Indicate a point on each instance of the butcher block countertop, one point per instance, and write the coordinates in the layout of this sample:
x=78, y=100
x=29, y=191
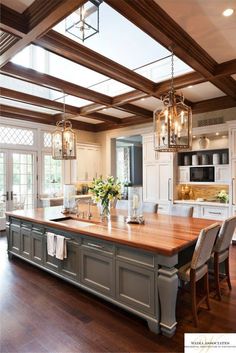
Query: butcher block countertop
x=162, y=234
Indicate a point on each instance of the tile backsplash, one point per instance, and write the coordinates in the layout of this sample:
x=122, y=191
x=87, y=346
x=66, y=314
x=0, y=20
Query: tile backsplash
x=193, y=192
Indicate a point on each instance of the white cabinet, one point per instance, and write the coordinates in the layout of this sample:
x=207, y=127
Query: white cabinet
x=88, y=163
x=222, y=174
x=233, y=143
x=183, y=174
x=150, y=184
x=164, y=181
x=149, y=155
x=233, y=182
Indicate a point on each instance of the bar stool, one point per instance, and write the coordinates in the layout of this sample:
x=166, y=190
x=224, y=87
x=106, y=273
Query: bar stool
x=182, y=211
x=193, y=271
x=221, y=252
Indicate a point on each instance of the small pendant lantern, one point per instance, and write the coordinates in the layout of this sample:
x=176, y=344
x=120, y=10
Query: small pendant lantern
x=64, y=139
x=173, y=124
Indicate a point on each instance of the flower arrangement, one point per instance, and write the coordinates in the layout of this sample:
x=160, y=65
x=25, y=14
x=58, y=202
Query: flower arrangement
x=223, y=196
x=104, y=191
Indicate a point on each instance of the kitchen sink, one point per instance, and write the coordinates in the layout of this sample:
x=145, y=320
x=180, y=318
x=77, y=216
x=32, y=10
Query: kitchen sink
x=73, y=222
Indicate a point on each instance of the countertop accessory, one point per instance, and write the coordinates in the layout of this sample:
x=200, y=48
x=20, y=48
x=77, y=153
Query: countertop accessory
x=135, y=205
x=69, y=202
x=205, y=159
x=173, y=124
x=203, y=142
x=216, y=158
x=194, y=159
x=186, y=160
x=224, y=158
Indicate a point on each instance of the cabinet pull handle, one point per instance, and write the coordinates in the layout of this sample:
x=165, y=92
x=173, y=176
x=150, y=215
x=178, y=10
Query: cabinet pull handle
x=219, y=213
x=233, y=202
x=169, y=198
x=95, y=246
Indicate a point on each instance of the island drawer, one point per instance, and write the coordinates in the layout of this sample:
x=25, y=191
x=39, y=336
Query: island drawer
x=217, y=213
x=136, y=257
x=97, y=245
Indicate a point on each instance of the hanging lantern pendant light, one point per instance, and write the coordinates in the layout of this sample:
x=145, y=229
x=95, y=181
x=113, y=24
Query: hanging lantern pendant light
x=173, y=124
x=64, y=139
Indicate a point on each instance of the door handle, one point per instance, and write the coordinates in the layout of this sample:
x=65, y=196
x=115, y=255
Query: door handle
x=6, y=195
x=233, y=202
x=169, y=198
x=12, y=195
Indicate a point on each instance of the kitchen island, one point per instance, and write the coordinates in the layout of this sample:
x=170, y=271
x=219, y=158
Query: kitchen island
x=132, y=266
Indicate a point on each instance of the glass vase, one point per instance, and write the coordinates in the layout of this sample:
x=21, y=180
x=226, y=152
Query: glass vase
x=104, y=209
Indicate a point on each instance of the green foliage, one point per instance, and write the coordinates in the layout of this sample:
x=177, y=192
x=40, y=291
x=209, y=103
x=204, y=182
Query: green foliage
x=223, y=196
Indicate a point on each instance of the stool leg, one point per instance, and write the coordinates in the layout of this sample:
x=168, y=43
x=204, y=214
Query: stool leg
x=217, y=275
x=193, y=296
x=206, y=285
x=227, y=272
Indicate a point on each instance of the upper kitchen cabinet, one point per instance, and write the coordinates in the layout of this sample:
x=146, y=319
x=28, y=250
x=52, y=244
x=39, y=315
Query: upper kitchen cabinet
x=233, y=142
x=88, y=163
x=150, y=155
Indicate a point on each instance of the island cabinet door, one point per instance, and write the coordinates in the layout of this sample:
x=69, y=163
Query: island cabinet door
x=135, y=286
x=69, y=267
x=14, y=241
x=25, y=236
x=50, y=262
x=37, y=246
x=97, y=268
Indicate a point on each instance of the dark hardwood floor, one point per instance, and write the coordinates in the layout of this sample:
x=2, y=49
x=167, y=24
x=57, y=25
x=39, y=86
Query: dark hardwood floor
x=40, y=314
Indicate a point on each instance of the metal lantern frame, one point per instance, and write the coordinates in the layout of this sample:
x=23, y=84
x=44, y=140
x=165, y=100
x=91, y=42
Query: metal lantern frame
x=78, y=23
x=173, y=124
x=63, y=139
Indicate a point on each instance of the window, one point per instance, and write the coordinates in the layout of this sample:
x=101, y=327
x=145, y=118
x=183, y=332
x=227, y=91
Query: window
x=52, y=175
x=16, y=136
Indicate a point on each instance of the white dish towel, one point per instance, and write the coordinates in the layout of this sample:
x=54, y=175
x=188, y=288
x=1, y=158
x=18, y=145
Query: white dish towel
x=61, y=248
x=51, y=244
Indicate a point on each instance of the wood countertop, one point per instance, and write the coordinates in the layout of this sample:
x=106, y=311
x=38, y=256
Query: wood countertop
x=162, y=234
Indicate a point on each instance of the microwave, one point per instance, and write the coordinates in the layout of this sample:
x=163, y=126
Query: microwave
x=202, y=174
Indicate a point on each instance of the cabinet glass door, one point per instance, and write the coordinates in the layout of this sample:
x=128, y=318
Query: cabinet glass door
x=18, y=187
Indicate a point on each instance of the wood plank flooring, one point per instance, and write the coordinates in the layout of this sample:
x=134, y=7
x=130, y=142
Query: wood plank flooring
x=40, y=314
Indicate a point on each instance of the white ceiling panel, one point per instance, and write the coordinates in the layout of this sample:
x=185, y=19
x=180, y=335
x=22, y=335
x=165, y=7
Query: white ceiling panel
x=202, y=91
x=204, y=22
x=115, y=112
x=149, y=103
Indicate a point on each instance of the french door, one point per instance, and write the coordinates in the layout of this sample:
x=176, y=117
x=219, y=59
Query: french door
x=18, y=183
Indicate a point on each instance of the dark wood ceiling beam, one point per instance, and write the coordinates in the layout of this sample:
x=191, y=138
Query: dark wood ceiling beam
x=80, y=54
x=38, y=101
x=130, y=121
x=213, y=104
x=226, y=68
x=153, y=20
x=45, y=80
x=12, y=21
x=7, y=109
x=128, y=97
x=226, y=85
x=90, y=108
x=39, y=18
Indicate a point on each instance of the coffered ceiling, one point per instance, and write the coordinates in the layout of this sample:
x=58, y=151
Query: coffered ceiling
x=117, y=77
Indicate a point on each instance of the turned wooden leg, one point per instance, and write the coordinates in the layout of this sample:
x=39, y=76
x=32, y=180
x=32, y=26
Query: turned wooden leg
x=193, y=296
x=206, y=287
x=217, y=275
x=227, y=272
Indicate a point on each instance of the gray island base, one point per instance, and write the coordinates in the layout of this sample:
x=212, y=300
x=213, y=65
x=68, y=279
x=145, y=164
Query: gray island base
x=142, y=282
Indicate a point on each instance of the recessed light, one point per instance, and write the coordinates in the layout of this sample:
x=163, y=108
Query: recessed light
x=217, y=133
x=194, y=136
x=142, y=99
x=228, y=12
x=104, y=109
x=190, y=86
